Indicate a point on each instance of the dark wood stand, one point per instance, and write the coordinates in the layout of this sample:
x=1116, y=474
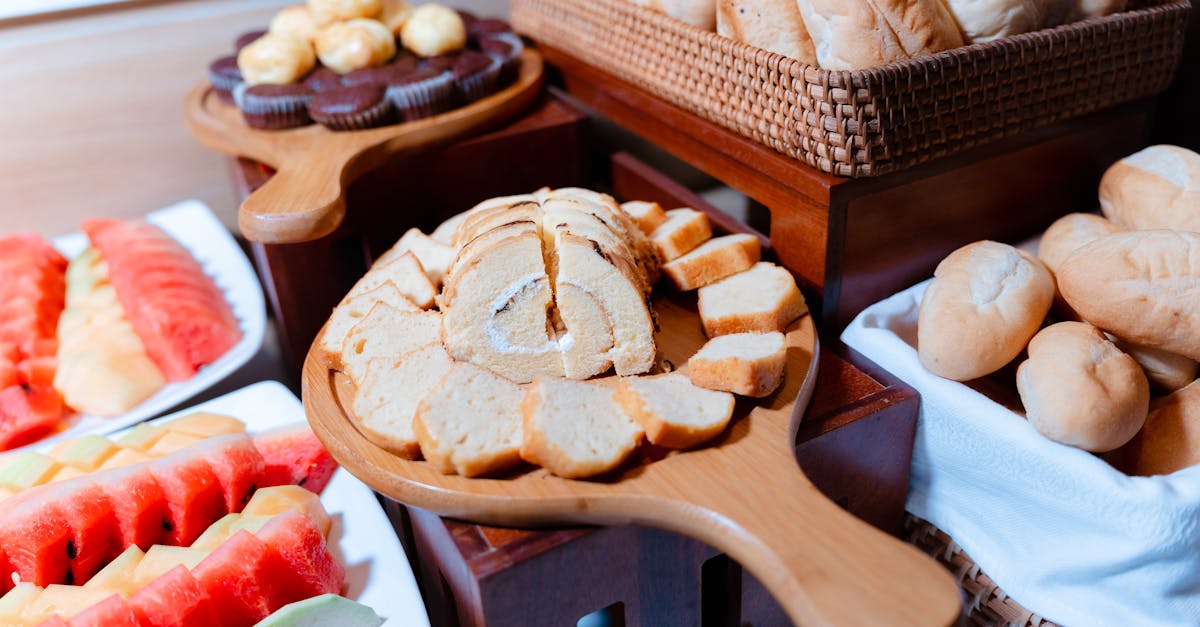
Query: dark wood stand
x=855, y=442
x=856, y=241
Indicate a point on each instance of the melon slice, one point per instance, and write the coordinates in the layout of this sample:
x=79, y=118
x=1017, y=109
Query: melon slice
x=139, y=504
x=13, y=603
x=84, y=453
x=172, y=442
x=236, y=578
x=204, y=425
x=64, y=473
x=238, y=466
x=113, y=611
x=141, y=437
x=62, y=601
x=95, y=535
x=307, y=568
x=326, y=609
x=34, y=535
x=28, y=413
x=174, y=599
x=294, y=456
x=276, y=500
x=125, y=457
x=27, y=469
x=117, y=576
x=194, y=497
x=160, y=559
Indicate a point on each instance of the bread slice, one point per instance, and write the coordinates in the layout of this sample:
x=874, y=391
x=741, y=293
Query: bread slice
x=434, y=256
x=575, y=429
x=649, y=215
x=750, y=364
x=497, y=313
x=386, y=332
x=762, y=299
x=389, y=393
x=684, y=230
x=607, y=211
x=406, y=273
x=444, y=232
x=354, y=308
x=714, y=260
x=470, y=422
x=674, y=412
x=481, y=217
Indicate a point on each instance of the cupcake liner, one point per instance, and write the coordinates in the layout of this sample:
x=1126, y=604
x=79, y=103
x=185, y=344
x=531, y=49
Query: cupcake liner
x=423, y=98
x=272, y=112
x=480, y=84
x=509, y=63
x=378, y=115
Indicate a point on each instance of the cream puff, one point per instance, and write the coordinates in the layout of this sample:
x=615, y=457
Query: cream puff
x=275, y=59
x=294, y=21
x=433, y=29
x=328, y=12
x=355, y=44
x=394, y=14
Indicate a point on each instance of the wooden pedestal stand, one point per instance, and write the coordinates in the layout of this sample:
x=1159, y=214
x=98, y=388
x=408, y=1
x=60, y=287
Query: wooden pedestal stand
x=855, y=441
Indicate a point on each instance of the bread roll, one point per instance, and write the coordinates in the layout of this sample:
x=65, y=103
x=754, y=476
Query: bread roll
x=1165, y=370
x=774, y=25
x=1142, y=286
x=1170, y=440
x=988, y=20
x=700, y=13
x=1156, y=188
x=1067, y=11
x=985, y=302
x=1070, y=233
x=1080, y=390
x=855, y=34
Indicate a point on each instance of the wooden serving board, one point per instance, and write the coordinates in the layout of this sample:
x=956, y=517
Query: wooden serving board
x=743, y=493
x=305, y=198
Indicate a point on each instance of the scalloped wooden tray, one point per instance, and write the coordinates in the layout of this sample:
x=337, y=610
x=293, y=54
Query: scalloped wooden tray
x=743, y=493
x=305, y=198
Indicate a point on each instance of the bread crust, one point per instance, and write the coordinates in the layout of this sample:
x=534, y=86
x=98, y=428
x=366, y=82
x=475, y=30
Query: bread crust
x=856, y=34
x=1079, y=389
x=755, y=376
x=773, y=25
x=1170, y=439
x=1156, y=188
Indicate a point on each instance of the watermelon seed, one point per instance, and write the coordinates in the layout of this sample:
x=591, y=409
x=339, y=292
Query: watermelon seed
x=250, y=493
x=70, y=578
x=71, y=552
x=167, y=526
x=302, y=481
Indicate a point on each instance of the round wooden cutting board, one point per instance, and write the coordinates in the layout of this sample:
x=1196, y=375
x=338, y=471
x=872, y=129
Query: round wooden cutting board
x=743, y=493
x=305, y=198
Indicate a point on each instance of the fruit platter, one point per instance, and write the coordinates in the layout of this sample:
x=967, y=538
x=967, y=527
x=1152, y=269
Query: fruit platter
x=222, y=513
x=105, y=328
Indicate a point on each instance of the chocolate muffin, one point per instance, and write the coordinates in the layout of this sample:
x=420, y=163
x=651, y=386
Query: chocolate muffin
x=505, y=48
x=487, y=27
x=421, y=93
x=440, y=63
x=322, y=79
x=475, y=75
x=364, y=76
x=245, y=39
x=468, y=18
x=274, y=107
x=353, y=107
x=224, y=76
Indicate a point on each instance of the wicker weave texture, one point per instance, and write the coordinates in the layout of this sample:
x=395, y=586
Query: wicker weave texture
x=879, y=120
x=985, y=603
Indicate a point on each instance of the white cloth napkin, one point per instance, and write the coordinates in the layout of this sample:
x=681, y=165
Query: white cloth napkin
x=1058, y=529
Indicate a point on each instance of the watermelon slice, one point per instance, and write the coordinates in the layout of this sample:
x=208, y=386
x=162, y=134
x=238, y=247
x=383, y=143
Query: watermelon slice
x=138, y=503
x=308, y=567
x=194, y=497
x=177, y=311
x=95, y=536
x=175, y=598
x=34, y=536
x=28, y=413
x=294, y=456
x=114, y=611
x=237, y=465
x=234, y=576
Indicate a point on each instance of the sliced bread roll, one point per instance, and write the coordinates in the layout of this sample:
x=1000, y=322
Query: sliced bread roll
x=1170, y=439
x=497, y=313
x=575, y=429
x=762, y=299
x=355, y=307
x=1141, y=286
x=986, y=301
x=649, y=215
x=714, y=260
x=684, y=230
x=774, y=25
x=674, y=412
x=434, y=256
x=388, y=396
x=1079, y=389
x=386, y=332
x=1155, y=188
x=444, y=232
x=406, y=273
x=470, y=422
x=856, y=34
x=606, y=210
x=750, y=364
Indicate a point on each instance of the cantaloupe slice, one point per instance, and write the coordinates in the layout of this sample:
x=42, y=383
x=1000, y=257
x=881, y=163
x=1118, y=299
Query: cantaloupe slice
x=205, y=425
x=63, y=601
x=117, y=576
x=160, y=559
x=282, y=498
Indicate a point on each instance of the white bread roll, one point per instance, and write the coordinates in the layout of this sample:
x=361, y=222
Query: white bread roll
x=386, y=332
x=1156, y=188
x=1142, y=286
x=700, y=13
x=988, y=20
x=774, y=25
x=1164, y=369
x=856, y=34
x=1070, y=233
x=684, y=230
x=1079, y=389
x=985, y=302
x=1170, y=440
x=1067, y=11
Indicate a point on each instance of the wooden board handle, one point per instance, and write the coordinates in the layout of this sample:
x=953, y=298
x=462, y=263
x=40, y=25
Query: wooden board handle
x=823, y=566
x=304, y=199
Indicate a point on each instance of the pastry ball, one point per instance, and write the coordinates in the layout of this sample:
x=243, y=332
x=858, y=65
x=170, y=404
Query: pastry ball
x=275, y=59
x=433, y=29
x=328, y=12
x=355, y=44
x=395, y=15
x=1079, y=389
x=985, y=302
x=294, y=21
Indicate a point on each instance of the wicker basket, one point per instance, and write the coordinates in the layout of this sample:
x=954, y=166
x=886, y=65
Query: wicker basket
x=879, y=120
x=984, y=602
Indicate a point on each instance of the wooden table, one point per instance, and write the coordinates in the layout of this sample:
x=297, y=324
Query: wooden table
x=856, y=241
x=855, y=442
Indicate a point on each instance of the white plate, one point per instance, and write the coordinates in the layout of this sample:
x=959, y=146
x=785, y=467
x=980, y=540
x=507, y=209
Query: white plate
x=192, y=224
x=377, y=570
